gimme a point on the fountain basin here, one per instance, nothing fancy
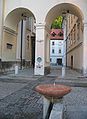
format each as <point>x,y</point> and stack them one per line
<point>50,91</point>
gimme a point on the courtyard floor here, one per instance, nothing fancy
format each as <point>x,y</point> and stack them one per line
<point>19,100</point>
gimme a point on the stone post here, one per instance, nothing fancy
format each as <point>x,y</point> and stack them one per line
<point>63,71</point>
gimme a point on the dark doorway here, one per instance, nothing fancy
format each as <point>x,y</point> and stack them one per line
<point>71,62</point>
<point>33,50</point>
<point>59,61</point>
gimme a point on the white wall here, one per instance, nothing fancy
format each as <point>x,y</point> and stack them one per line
<point>58,45</point>
<point>40,8</point>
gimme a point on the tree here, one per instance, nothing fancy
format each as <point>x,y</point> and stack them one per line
<point>57,23</point>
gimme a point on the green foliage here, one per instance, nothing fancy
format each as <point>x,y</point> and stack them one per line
<point>57,23</point>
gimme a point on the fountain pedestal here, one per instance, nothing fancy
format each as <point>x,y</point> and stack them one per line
<point>53,94</point>
<point>57,110</point>
<point>46,104</point>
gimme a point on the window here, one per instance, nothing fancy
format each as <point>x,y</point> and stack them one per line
<point>53,34</point>
<point>74,33</point>
<point>78,31</point>
<point>9,46</point>
<point>52,43</point>
<point>59,50</point>
<point>60,34</point>
<point>68,45</point>
<point>71,36</point>
<point>69,20</point>
<point>50,60</point>
<point>52,50</point>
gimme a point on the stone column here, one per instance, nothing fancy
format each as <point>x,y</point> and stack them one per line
<point>19,40</point>
<point>42,62</point>
<point>39,49</point>
<point>85,49</point>
<point>1,25</point>
<point>24,37</point>
<point>47,50</point>
<point>64,43</point>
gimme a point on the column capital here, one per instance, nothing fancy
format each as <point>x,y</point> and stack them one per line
<point>40,25</point>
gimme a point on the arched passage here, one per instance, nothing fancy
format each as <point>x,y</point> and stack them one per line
<point>13,18</point>
<point>19,38</point>
<point>75,49</point>
<point>58,10</point>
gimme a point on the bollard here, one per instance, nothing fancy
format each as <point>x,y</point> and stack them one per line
<point>16,69</point>
<point>63,71</point>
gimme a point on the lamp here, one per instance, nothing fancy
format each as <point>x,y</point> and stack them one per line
<point>64,13</point>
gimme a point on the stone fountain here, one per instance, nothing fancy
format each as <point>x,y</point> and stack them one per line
<point>53,94</point>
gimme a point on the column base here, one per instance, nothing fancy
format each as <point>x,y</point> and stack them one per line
<point>46,70</point>
<point>42,71</point>
<point>84,72</point>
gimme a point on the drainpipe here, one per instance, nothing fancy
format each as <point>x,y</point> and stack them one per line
<point>21,42</point>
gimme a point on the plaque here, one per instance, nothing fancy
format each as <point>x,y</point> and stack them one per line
<point>39,59</point>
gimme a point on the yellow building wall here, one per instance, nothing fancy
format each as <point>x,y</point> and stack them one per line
<point>77,54</point>
<point>9,54</point>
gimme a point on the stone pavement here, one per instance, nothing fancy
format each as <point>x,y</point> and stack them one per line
<point>76,104</point>
<point>69,73</point>
<point>19,100</point>
<point>22,103</point>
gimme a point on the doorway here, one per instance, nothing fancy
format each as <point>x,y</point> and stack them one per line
<point>59,61</point>
<point>71,62</point>
<point>33,50</point>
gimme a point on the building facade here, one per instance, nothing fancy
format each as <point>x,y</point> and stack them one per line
<point>56,47</point>
<point>43,12</point>
<point>74,42</point>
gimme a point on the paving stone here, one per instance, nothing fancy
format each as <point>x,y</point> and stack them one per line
<point>26,103</point>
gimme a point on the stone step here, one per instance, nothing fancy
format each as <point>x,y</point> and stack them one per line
<point>73,83</point>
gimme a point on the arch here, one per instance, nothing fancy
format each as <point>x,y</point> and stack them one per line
<point>13,18</point>
<point>58,9</point>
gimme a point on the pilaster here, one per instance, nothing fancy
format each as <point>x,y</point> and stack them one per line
<point>85,49</point>
<point>1,25</point>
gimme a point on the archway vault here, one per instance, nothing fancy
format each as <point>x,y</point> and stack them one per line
<point>58,10</point>
<point>13,18</point>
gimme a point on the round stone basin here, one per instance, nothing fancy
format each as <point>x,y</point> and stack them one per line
<point>53,91</point>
